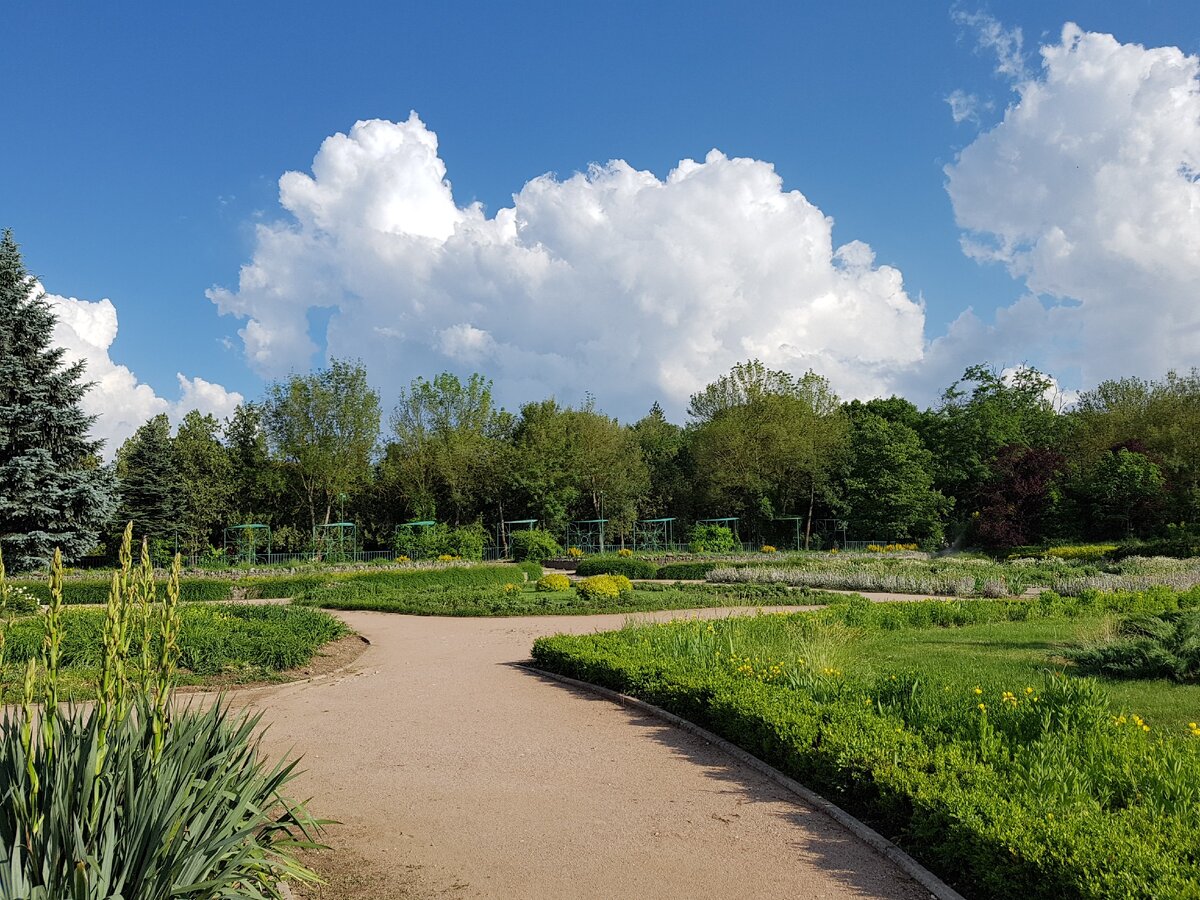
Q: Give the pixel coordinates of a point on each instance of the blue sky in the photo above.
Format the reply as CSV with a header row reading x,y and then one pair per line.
x,y
144,143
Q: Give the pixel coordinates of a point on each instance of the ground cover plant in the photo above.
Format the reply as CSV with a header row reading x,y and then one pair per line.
x,y
1162,646
133,795
959,575
956,727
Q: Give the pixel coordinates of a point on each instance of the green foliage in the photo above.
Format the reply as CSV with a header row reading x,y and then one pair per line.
x,y
1006,790
96,592
710,539
1164,646
151,488
979,415
449,443
1123,493
685,571
324,427
533,545
212,639
134,796
889,488
323,591
605,587
432,541
203,817
628,566
767,444
572,464
554,582
53,492
206,481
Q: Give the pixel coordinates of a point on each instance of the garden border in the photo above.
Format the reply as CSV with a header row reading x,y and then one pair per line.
x,y
936,887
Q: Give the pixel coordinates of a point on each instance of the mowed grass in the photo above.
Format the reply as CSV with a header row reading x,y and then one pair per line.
x,y
218,644
1019,654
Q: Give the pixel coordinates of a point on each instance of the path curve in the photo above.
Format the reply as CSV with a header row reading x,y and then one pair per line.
x,y
455,773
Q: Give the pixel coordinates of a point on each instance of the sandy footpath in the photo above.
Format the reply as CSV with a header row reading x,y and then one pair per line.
x,y
456,774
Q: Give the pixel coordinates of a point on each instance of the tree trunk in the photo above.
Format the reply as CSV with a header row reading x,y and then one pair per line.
x,y
812,494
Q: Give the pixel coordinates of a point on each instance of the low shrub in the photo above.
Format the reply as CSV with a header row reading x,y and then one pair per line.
x,y
685,571
1164,646
554,583
533,545
710,539
605,587
617,565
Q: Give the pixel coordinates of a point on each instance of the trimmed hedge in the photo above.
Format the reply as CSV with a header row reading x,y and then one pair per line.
x,y
998,827
386,585
686,571
617,565
75,592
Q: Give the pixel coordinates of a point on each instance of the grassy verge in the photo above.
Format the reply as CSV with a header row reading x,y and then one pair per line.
x,y
79,592
525,600
957,729
230,642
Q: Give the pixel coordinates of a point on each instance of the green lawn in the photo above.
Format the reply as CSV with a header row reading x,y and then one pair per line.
x,y
525,600
1018,654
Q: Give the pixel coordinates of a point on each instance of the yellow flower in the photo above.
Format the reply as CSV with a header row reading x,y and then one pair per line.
x,y
978,690
983,707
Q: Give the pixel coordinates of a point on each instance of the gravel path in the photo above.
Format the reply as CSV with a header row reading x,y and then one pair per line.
x,y
456,774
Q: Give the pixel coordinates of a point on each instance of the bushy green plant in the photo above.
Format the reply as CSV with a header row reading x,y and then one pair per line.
x,y
134,797
439,539
553,582
710,539
605,587
1163,646
685,571
617,565
533,545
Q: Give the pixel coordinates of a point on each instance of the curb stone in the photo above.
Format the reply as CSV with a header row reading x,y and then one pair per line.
x,y
936,887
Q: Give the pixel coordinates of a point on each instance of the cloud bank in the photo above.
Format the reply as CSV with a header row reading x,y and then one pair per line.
x,y
86,330
612,281
633,288
1088,192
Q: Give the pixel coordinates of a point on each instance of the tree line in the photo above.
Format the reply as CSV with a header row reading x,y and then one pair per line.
x,y
995,462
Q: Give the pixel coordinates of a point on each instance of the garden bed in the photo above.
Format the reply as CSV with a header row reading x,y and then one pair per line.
x,y
953,727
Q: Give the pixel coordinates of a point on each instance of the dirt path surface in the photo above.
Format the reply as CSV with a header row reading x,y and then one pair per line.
x,y
456,774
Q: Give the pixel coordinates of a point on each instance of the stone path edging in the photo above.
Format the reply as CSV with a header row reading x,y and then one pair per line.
x,y
938,888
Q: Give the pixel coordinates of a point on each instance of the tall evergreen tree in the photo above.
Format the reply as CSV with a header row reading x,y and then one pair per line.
x,y
151,486
51,493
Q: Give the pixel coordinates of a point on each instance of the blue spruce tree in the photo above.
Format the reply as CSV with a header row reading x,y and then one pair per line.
x,y
53,492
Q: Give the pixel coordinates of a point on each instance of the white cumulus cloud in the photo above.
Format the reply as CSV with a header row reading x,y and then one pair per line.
x,y
1089,192
612,281
86,331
